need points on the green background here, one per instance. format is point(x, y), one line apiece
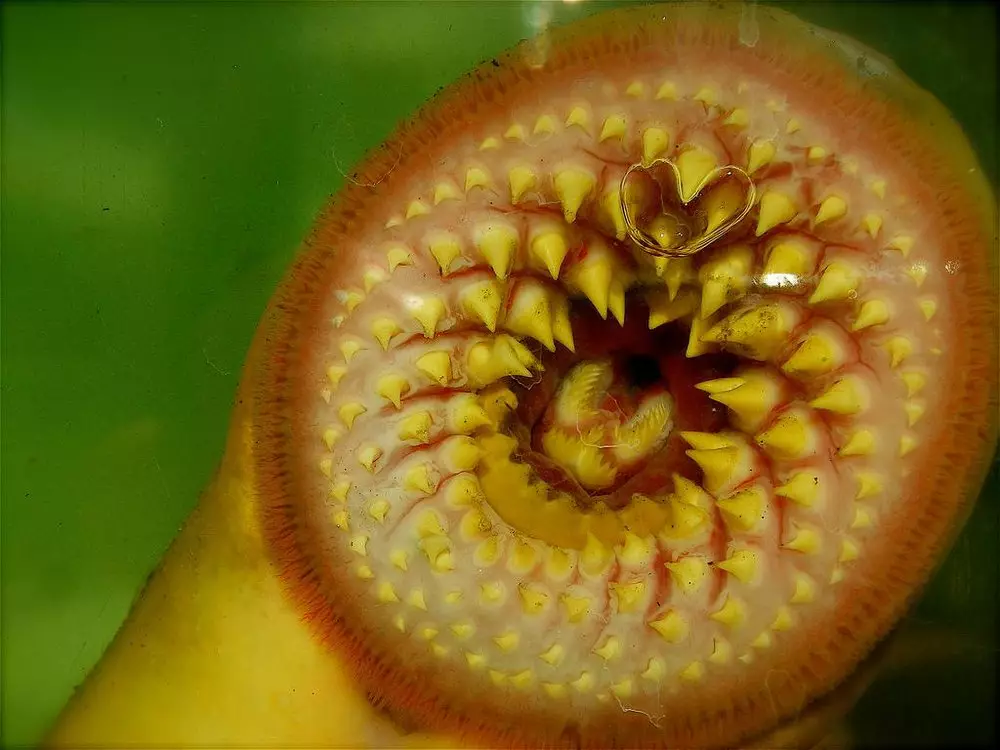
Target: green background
point(160, 164)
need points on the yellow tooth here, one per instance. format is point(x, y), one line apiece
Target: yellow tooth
point(386, 593)
point(350, 348)
point(839, 281)
point(398, 558)
point(818, 354)
point(583, 683)
point(816, 153)
point(562, 329)
point(428, 312)
point(654, 143)
point(545, 125)
point(614, 127)
point(667, 91)
point(595, 556)
point(490, 144)
point(392, 388)
point(476, 177)
point(874, 312)
point(623, 688)
point(678, 271)
point(760, 154)
point(871, 224)
point(549, 249)
point(792, 126)
point(335, 373)
point(416, 427)
point(847, 396)
point(398, 256)
point(576, 607)
point(899, 349)
point(629, 596)
point(902, 243)
point(744, 510)
point(707, 441)
point(372, 278)
point(326, 464)
point(383, 329)
point(467, 415)
point(359, 545)
point(688, 573)
point(461, 453)
point(417, 208)
point(636, 89)
point(739, 118)
point(554, 655)
point(693, 167)
point(717, 465)
point(914, 411)
point(507, 641)
point(690, 493)
point(928, 307)
point(848, 551)
point(436, 366)
point(725, 277)
point(697, 345)
point(775, 208)
point(685, 520)
point(752, 400)
point(761, 641)
point(705, 95)
point(521, 179)
point(610, 648)
point(862, 519)
point(671, 627)
point(693, 671)
point(573, 186)
point(368, 455)
point(861, 443)
point(742, 564)
point(869, 484)
point(616, 301)
point(419, 479)
point(437, 550)
point(792, 436)
point(482, 301)
point(445, 191)
point(611, 209)
point(330, 437)
point(634, 550)
point(445, 249)
point(805, 540)
point(732, 613)
point(757, 332)
point(515, 132)
point(498, 244)
point(803, 487)
point(787, 264)
point(341, 520)
point(530, 314)
point(720, 385)
point(722, 651)
point(664, 309)
point(533, 599)
point(656, 670)
point(340, 488)
point(805, 589)
point(907, 444)
point(831, 209)
point(379, 509)
point(578, 116)
point(594, 279)
point(349, 412)
point(914, 381)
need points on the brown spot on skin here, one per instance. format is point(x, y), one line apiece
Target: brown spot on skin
point(769, 477)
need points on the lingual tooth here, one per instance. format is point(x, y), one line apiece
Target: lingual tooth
point(693, 166)
point(872, 312)
point(792, 436)
point(562, 329)
point(664, 309)
point(654, 143)
point(436, 366)
point(498, 244)
point(775, 208)
point(848, 396)
point(530, 313)
point(427, 311)
point(614, 127)
point(725, 277)
point(521, 179)
point(646, 431)
point(573, 186)
point(744, 510)
point(822, 351)
point(466, 415)
point(583, 460)
point(482, 301)
point(839, 280)
point(593, 276)
point(758, 332)
point(751, 400)
point(832, 208)
point(445, 248)
point(760, 154)
point(548, 250)
point(392, 387)
point(580, 390)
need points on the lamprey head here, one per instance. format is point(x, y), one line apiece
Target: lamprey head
point(628, 399)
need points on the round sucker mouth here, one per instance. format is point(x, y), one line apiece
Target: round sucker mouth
point(633, 405)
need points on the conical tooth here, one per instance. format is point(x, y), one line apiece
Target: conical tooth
point(671, 626)
point(928, 307)
point(693, 166)
point(787, 263)
point(436, 366)
point(792, 436)
point(760, 154)
point(720, 385)
point(871, 223)
point(914, 412)
point(718, 465)
point(612, 214)
point(349, 412)
point(744, 510)
point(741, 564)
point(805, 589)
point(530, 314)
point(580, 117)
point(446, 249)
point(804, 539)
point(914, 382)
point(696, 345)
point(818, 354)
point(708, 441)
point(636, 89)
point(732, 613)
point(803, 487)
point(775, 208)
point(722, 203)
point(722, 651)
point(614, 127)
point(573, 186)
point(848, 396)
point(549, 249)
point(902, 243)
point(678, 271)
point(690, 493)
point(595, 557)
point(758, 332)
point(368, 455)
point(654, 144)
point(688, 573)
point(521, 179)
point(498, 244)
point(383, 329)
point(428, 312)
point(445, 191)
point(335, 373)
point(848, 551)
point(482, 301)
point(667, 91)
point(610, 648)
point(830, 209)
point(725, 277)
point(418, 478)
point(490, 144)
point(739, 118)
point(918, 272)
point(515, 132)
point(869, 485)
point(862, 518)
point(664, 309)
point(899, 349)
point(520, 351)
point(839, 281)
point(545, 125)
point(816, 153)
point(372, 277)
point(616, 301)
point(634, 550)
point(416, 427)
point(417, 208)
point(350, 348)
point(873, 312)
point(330, 437)
point(706, 95)
point(476, 177)
point(752, 400)
point(562, 329)
point(467, 415)
point(792, 126)
point(352, 299)
point(460, 453)
point(860, 443)
point(398, 256)
point(907, 444)
point(593, 277)
point(629, 597)
point(392, 387)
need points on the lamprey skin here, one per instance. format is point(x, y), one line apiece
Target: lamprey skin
point(627, 396)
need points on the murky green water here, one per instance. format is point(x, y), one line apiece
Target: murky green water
point(160, 164)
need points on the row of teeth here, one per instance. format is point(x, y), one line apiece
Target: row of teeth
point(521, 298)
